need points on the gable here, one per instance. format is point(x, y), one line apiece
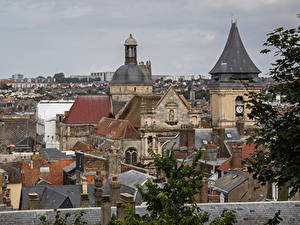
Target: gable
point(171, 100)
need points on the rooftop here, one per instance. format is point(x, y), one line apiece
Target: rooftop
point(89, 109)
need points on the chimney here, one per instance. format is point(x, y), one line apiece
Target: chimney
point(114, 186)
point(187, 140)
point(218, 137)
point(121, 205)
point(33, 201)
point(84, 198)
point(8, 202)
point(236, 161)
point(78, 177)
point(114, 164)
point(204, 191)
point(211, 152)
point(213, 197)
point(98, 189)
point(240, 125)
point(105, 210)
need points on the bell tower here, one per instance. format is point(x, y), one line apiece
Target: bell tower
point(130, 50)
point(227, 88)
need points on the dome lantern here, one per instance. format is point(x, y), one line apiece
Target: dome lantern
point(130, 50)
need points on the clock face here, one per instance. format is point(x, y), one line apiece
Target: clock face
point(239, 109)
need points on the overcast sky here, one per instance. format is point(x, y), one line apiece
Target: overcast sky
point(42, 37)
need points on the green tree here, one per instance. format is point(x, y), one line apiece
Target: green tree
point(59, 77)
point(279, 125)
point(170, 198)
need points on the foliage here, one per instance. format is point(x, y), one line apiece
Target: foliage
point(58, 77)
point(63, 220)
point(275, 220)
point(279, 132)
point(170, 198)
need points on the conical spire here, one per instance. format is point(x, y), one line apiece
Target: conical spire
point(234, 58)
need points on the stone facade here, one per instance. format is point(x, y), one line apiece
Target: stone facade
point(165, 120)
point(223, 106)
point(124, 92)
point(69, 134)
point(119, 145)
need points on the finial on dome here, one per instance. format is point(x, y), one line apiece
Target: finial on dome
point(130, 41)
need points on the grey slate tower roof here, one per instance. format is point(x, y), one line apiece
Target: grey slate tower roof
point(234, 62)
point(131, 72)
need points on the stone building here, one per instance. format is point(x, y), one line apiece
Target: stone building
point(78, 123)
point(119, 136)
point(227, 88)
point(159, 118)
point(131, 79)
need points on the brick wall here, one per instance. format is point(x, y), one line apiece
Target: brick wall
point(247, 213)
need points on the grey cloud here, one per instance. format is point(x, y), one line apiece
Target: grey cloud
point(41, 37)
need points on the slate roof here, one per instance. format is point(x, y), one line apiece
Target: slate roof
point(131, 73)
point(205, 134)
point(25, 142)
point(70, 167)
point(53, 196)
point(202, 136)
point(230, 181)
point(53, 153)
point(234, 58)
point(128, 181)
point(132, 110)
point(115, 128)
point(89, 109)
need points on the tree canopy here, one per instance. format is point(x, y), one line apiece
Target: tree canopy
point(279, 122)
point(170, 197)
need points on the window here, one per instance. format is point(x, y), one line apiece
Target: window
point(134, 89)
point(45, 169)
point(131, 156)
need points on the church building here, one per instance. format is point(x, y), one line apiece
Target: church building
point(231, 80)
point(130, 79)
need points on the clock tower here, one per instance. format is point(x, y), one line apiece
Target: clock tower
point(230, 82)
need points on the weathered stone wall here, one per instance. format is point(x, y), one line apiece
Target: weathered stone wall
point(162, 113)
point(246, 213)
point(69, 134)
point(222, 106)
point(126, 92)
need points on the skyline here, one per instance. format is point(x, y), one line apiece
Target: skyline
point(179, 37)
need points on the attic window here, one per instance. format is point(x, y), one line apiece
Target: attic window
point(229, 136)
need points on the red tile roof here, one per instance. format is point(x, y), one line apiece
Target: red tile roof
point(116, 128)
point(246, 152)
point(89, 109)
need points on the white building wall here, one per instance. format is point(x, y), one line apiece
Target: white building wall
point(46, 116)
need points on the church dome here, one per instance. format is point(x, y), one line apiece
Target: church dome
point(130, 41)
point(131, 74)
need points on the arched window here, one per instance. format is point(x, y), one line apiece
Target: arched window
point(131, 156)
point(134, 89)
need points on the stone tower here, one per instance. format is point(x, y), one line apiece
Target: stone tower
point(130, 79)
point(227, 87)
